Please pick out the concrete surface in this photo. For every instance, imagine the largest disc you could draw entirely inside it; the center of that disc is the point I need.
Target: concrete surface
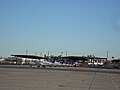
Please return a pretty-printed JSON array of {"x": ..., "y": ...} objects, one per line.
[{"x": 43, "y": 79}]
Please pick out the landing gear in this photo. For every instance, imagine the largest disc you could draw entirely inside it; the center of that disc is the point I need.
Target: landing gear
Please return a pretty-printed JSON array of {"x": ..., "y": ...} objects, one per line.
[
  {"x": 43, "y": 66},
  {"x": 30, "y": 65},
  {"x": 38, "y": 66}
]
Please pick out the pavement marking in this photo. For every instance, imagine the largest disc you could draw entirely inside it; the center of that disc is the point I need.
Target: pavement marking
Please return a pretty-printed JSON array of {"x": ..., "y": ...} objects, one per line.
[
  {"x": 113, "y": 82},
  {"x": 92, "y": 80}
]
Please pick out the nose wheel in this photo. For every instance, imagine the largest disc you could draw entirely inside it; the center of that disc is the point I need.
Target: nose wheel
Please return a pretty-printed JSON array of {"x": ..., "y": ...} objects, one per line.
[
  {"x": 38, "y": 66},
  {"x": 43, "y": 66}
]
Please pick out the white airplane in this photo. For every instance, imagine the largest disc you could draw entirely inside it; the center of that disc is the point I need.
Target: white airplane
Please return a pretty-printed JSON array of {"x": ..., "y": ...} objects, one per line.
[
  {"x": 56, "y": 64},
  {"x": 44, "y": 63},
  {"x": 39, "y": 61}
]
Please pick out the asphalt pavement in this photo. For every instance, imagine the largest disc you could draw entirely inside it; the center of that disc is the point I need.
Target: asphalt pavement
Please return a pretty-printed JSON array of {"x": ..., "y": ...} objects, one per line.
[{"x": 69, "y": 78}]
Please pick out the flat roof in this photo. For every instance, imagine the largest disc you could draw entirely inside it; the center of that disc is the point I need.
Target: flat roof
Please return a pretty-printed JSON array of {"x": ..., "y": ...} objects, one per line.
[
  {"x": 81, "y": 58},
  {"x": 30, "y": 56},
  {"x": 76, "y": 58}
]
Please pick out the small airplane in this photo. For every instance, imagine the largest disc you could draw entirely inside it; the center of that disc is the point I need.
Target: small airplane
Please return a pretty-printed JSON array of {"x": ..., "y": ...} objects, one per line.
[
  {"x": 39, "y": 61},
  {"x": 56, "y": 64}
]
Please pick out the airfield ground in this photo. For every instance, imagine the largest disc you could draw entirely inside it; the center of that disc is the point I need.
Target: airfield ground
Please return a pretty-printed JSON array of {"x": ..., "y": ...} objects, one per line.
[{"x": 58, "y": 79}]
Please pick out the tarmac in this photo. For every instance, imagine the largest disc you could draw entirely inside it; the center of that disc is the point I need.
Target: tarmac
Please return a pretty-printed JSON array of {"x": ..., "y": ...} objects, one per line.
[{"x": 70, "y": 78}]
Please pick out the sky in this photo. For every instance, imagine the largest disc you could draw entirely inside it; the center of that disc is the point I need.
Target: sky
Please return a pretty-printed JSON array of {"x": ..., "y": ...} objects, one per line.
[{"x": 80, "y": 27}]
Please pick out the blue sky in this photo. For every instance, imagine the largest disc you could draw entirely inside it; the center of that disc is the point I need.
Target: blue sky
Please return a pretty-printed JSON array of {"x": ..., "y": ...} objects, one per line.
[{"x": 80, "y": 27}]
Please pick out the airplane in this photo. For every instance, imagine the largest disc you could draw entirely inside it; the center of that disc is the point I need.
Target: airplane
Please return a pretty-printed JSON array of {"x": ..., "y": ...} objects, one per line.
[
  {"x": 56, "y": 64},
  {"x": 39, "y": 61}
]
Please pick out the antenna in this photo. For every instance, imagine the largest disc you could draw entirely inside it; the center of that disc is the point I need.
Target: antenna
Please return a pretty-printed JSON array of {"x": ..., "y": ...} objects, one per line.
[
  {"x": 107, "y": 55},
  {"x": 48, "y": 53},
  {"x": 26, "y": 52},
  {"x": 66, "y": 53}
]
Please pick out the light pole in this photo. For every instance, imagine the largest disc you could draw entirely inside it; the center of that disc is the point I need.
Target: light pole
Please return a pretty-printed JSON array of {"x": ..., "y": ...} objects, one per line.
[
  {"x": 26, "y": 58},
  {"x": 61, "y": 56},
  {"x": 41, "y": 54},
  {"x": 107, "y": 55},
  {"x": 35, "y": 53},
  {"x": 48, "y": 53},
  {"x": 26, "y": 52},
  {"x": 66, "y": 53}
]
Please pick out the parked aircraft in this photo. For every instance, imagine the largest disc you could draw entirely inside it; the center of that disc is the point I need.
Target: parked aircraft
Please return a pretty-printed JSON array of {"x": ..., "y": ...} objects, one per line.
[
  {"x": 56, "y": 64},
  {"x": 39, "y": 61}
]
